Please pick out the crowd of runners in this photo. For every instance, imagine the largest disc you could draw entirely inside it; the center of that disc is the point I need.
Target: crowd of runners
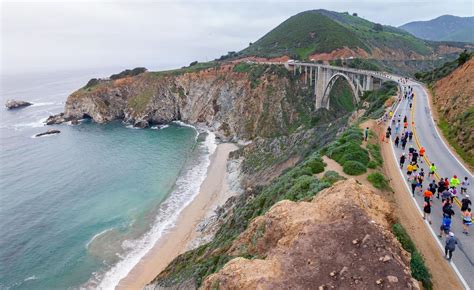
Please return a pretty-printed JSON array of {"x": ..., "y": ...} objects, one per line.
[{"x": 434, "y": 188}]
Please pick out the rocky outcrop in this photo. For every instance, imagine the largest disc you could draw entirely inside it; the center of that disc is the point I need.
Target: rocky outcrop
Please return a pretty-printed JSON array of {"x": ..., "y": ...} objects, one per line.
[
  {"x": 339, "y": 240},
  {"x": 49, "y": 132},
  {"x": 16, "y": 104},
  {"x": 454, "y": 99},
  {"x": 240, "y": 100}
]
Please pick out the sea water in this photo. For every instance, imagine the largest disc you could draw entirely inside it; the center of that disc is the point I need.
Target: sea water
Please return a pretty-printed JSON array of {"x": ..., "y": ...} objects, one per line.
[{"x": 80, "y": 208}]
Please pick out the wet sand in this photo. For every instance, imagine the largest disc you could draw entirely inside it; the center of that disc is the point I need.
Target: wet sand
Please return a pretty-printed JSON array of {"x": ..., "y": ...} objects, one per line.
[{"x": 214, "y": 191}]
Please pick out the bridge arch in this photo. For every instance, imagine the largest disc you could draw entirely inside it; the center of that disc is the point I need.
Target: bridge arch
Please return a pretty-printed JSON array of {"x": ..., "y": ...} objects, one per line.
[{"x": 356, "y": 88}]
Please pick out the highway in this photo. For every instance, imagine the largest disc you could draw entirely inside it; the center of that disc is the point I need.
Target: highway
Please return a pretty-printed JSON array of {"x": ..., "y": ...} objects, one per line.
[{"x": 437, "y": 152}]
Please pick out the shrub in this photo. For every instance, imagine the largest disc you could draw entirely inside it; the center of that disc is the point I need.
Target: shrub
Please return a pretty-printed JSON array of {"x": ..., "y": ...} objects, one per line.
[
  {"x": 193, "y": 63},
  {"x": 374, "y": 150},
  {"x": 316, "y": 165},
  {"x": 354, "y": 168},
  {"x": 128, "y": 73},
  {"x": 378, "y": 180},
  {"x": 378, "y": 27},
  {"x": 92, "y": 82},
  {"x": 332, "y": 177},
  {"x": 418, "y": 268},
  {"x": 359, "y": 155},
  {"x": 372, "y": 164}
]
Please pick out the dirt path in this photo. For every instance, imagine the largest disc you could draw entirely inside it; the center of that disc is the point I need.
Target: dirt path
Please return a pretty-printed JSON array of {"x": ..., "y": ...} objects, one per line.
[{"x": 443, "y": 276}]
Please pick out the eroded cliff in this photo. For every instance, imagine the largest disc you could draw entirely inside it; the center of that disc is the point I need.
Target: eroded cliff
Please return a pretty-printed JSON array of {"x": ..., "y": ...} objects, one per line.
[{"x": 237, "y": 101}]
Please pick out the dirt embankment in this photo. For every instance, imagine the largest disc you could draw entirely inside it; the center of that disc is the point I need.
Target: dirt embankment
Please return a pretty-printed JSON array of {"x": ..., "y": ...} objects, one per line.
[
  {"x": 339, "y": 239},
  {"x": 454, "y": 100}
]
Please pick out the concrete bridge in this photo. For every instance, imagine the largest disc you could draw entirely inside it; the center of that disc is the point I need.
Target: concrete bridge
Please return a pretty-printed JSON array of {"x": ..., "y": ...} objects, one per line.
[{"x": 323, "y": 77}]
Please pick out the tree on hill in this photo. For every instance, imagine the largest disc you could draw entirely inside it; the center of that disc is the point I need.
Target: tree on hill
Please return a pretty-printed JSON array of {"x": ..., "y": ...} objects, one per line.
[
  {"x": 378, "y": 27},
  {"x": 464, "y": 57}
]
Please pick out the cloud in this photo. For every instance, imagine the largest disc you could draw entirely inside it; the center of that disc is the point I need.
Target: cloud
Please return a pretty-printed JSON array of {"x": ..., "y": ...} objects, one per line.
[{"x": 164, "y": 34}]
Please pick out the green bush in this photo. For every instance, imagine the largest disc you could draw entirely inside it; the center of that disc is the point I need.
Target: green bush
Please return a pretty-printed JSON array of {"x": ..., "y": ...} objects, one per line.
[
  {"x": 332, "y": 177},
  {"x": 378, "y": 180},
  {"x": 359, "y": 155},
  {"x": 128, "y": 73},
  {"x": 419, "y": 271},
  {"x": 316, "y": 164},
  {"x": 354, "y": 168},
  {"x": 418, "y": 268},
  {"x": 372, "y": 164},
  {"x": 374, "y": 150}
]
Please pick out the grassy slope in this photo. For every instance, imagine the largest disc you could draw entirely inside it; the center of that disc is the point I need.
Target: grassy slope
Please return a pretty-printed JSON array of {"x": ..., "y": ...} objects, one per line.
[{"x": 324, "y": 31}]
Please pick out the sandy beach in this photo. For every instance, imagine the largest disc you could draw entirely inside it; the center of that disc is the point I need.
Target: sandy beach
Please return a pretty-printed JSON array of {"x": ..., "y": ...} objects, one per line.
[{"x": 214, "y": 191}]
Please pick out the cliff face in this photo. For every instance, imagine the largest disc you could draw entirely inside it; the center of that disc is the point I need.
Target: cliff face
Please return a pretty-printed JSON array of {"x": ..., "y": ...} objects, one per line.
[
  {"x": 240, "y": 101},
  {"x": 454, "y": 99},
  {"x": 340, "y": 239}
]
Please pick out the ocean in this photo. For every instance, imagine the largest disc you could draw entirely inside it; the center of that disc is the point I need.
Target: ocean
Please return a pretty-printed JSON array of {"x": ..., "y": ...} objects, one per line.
[{"x": 80, "y": 208}]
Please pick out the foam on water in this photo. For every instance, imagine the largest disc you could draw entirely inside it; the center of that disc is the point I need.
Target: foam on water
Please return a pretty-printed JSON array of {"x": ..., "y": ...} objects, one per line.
[
  {"x": 186, "y": 188},
  {"x": 36, "y": 124}
]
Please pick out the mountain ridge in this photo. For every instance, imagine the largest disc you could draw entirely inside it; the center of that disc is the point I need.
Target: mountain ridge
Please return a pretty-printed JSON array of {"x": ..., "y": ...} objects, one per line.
[{"x": 443, "y": 28}]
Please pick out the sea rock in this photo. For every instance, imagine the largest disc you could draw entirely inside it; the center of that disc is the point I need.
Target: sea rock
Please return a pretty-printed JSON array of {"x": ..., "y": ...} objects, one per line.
[
  {"x": 49, "y": 132},
  {"x": 141, "y": 124},
  {"x": 16, "y": 104},
  {"x": 56, "y": 119},
  {"x": 75, "y": 122}
]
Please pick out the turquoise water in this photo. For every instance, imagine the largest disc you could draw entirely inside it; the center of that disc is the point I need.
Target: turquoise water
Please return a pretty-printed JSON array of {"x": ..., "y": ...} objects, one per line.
[{"x": 81, "y": 207}]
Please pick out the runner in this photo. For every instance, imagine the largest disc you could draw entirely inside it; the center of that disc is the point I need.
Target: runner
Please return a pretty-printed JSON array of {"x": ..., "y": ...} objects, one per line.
[
  {"x": 422, "y": 153},
  {"x": 454, "y": 182},
  {"x": 448, "y": 209},
  {"x": 464, "y": 184},
  {"x": 427, "y": 194},
  {"x": 432, "y": 187},
  {"x": 441, "y": 187},
  {"x": 432, "y": 170},
  {"x": 465, "y": 203},
  {"x": 402, "y": 160},
  {"x": 466, "y": 221},
  {"x": 414, "y": 157},
  {"x": 410, "y": 136},
  {"x": 445, "y": 195},
  {"x": 414, "y": 183},
  {"x": 450, "y": 246},
  {"x": 445, "y": 226},
  {"x": 453, "y": 192},
  {"x": 427, "y": 211},
  {"x": 404, "y": 143},
  {"x": 409, "y": 169},
  {"x": 397, "y": 140}
]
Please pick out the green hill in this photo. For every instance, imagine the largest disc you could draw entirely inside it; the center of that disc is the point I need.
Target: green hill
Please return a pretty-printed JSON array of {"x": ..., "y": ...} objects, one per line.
[
  {"x": 320, "y": 31},
  {"x": 443, "y": 28}
]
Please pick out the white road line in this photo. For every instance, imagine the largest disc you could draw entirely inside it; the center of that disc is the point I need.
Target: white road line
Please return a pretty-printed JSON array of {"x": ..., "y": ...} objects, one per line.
[
  {"x": 437, "y": 132},
  {"x": 465, "y": 285}
]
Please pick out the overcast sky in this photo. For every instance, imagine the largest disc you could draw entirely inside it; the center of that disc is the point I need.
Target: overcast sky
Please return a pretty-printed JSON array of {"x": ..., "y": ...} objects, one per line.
[{"x": 56, "y": 35}]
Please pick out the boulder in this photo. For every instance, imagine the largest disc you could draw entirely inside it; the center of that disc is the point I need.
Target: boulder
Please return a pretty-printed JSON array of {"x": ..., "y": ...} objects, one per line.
[
  {"x": 16, "y": 104},
  {"x": 56, "y": 119},
  {"x": 141, "y": 124},
  {"x": 49, "y": 132}
]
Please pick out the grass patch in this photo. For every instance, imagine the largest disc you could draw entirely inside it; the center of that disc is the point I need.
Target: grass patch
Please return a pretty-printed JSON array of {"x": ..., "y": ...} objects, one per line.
[
  {"x": 376, "y": 156},
  {"x": 451, "y": 132},
  {"x": 378, "y": 180},
  {"x": 418, "y": 268}
]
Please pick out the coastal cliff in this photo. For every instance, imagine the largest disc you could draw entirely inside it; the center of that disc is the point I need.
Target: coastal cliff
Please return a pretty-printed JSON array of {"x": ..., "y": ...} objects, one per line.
[{"x": 236, "y": 101}]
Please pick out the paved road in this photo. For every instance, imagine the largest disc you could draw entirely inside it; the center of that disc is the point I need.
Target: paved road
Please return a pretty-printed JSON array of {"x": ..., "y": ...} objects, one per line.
[{"x": 438, "y": 153}]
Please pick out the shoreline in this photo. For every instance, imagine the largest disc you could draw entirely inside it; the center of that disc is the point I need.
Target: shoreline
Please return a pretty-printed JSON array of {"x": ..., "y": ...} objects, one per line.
[{"x": 213, "y": 191}]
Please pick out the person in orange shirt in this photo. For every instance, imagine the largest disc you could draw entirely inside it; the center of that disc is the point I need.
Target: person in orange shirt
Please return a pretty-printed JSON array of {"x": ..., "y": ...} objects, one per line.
[
  {"x": 427, "y": 194},
  {"x": 422, "y": 153}
]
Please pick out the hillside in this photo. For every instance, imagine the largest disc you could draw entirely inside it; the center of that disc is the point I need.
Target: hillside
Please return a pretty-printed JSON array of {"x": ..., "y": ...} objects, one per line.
[
  {"x": 443, "y": 28},
  {"x": 454, "y": 99},
  {"x": 324, "y": 35}
]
